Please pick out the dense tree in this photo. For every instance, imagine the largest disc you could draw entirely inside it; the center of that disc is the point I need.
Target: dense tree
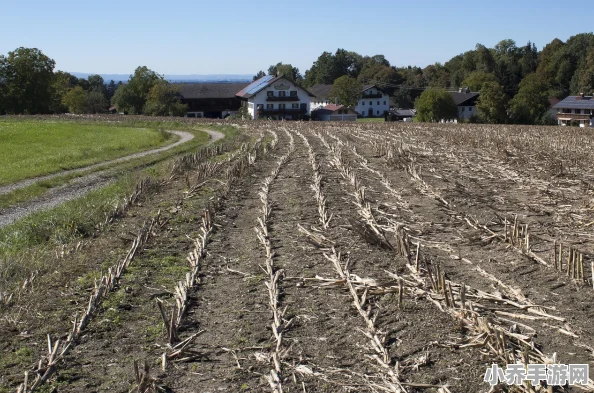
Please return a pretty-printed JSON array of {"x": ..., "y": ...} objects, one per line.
[
  {"x": 62, "y": 83},
  {"x": 286, "y": 70},
  {"x": 329, "y": 67},
  {"x": 96, "y": 102},
  {"x": 27, "y": 77},
  {"x": 132, "y": 97},
  {"x": 404, "y": 98},
  {"x": 531, "y": 104},
  {"x": 76, "y": 100},
  {"x": 346, "y": 90},
  {"x": 492, "y": 103},
  {"x": 110, "y": 89},
  {"x": 259, "y": 75},
  {"x": 477, "y": 79},
  {"x": 435, "y": 105},
  {"x": 164, "y": 100}
]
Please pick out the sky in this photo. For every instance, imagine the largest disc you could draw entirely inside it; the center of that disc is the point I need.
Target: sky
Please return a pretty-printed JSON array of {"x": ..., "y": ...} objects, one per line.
[{"x": 242, "y": 37}]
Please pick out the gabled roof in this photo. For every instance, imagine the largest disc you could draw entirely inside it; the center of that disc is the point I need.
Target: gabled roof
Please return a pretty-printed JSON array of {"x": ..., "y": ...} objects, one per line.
[
  {"x": 403, "y": 112},
  {"x": 322, "y": 92},
  {"x": 209, "y": 90},
  {"x": 257, "y": 86},
  {"x": 464, "y": 99},
  {"x": 576, "y": 102}
]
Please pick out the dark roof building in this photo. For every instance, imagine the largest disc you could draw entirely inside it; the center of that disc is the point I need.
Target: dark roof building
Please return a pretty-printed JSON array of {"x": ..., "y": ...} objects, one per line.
[
  {"x": 578, "y": 110},
  {"x": 212, "y": 100},
  {"x": 466, "y": 102}
]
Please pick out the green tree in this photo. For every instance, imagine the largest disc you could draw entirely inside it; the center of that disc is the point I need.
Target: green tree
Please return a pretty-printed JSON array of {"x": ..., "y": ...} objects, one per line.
[
  {"x": 62, "y": 83},
  {"x": 491, "y": 103},
  {"x": 286, "y": 70},
  {"x": 164, "y": 100},
  {"x": 382, "y": 75},
  {"x": 434, "y": 105},
  {"x": 132, "y": 97},
  {"x": 96, "y": 102},
  {"x": 76, "y": 100},
  {"x": 531, "y": 104},
  {"x": 477, "y": 79},
  {"x": 27, "y": 77},
  {"x": 346, "y": 90},
  {"x": 259, "y": 75}
]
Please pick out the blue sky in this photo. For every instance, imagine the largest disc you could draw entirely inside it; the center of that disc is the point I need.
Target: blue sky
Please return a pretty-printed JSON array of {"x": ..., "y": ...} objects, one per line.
[{"x": 242, "y": 37}]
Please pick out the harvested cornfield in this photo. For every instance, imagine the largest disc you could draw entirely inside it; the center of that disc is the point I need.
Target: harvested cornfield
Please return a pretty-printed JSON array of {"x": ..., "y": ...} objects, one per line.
[{"x": 327, "y": 257}]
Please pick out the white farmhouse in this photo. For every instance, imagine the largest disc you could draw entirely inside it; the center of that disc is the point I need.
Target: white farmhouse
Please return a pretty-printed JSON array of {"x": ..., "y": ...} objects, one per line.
[
  {"x": 373, "y": 102},
  {"x": 466, "y": 102},
  {"x": 576, "y": 110},
  {"x": 275, "y": 97}
]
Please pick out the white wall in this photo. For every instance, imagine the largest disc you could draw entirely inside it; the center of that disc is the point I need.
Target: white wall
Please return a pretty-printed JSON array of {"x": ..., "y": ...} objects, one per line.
[
  {"x": 364, "y": 104},
  {"x": 260, "y": 99},
  {"x": 318, "y": 103}
]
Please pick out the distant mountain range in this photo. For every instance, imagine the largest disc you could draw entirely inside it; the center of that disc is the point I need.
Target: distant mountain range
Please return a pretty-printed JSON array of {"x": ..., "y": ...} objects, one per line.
[{"x": 211, "y": 78}]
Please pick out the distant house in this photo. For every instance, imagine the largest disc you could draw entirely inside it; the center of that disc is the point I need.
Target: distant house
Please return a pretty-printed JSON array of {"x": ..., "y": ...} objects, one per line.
[
  {"x": 466, "y": 102},
  {"x": 276, "y": 98},
  {"x": 576, "y": 110},
  {"x": 401, "y": 115},
  {"x": 333, "y": 112},
  {"x": 373, "y": 102},
  {"x": 211, "y": 100}
]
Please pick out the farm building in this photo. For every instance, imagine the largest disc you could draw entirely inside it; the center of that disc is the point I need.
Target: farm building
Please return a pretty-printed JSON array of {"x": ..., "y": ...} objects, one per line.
[
  {"x": 576, "y": 110},
  {"x": 400, "y": 114},
  {"x": 373, "y": 101},
  {"x": 466, "y": 102},
  {"x": 333, "y": 112},
  {"x": 211, "y": 100},
  {"x": 275, "y": 97}
]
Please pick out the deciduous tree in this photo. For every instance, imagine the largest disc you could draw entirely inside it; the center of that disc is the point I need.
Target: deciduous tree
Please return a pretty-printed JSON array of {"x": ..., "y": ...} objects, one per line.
[
  {"x": 164, "y": 100},
  {"x": 435, "y": 105},
  {"x": 76, "y": 100},
  {"x": 346, "y": 90},
  {"x": 26, "y": 76},
  {"x": 531, "y": 104},
  {"x": 492, "y": 103}
]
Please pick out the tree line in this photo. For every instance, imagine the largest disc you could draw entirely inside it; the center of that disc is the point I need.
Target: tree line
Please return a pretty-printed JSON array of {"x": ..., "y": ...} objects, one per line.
[
  {"x": 29, "y": 85},
  {"x": 515, "y": 82}
]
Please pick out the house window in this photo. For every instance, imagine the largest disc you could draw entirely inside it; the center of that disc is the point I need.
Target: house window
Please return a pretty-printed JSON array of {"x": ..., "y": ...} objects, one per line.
[
  {"x": 370, "y": 103},
  {"x": 577, "y": 111},
  {"x": 282, "y": 93},
  {"x": 281, "y": 106},
  {"x": 363, "y": 102},
  {"x": 378, "y": 103},
  {"x": 270, "y": 93},
  {"x": 378, "y": 112},
  {"x": 384, "y": 102},
  {"x": 295, "y": 106},
  {"x": 269, "y": 106},
  {"x": 293, "y": 93}
]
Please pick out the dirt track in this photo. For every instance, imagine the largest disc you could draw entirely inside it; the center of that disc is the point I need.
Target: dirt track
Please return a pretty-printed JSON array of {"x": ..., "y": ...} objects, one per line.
[
  {"x": 81, "y": 185},
  {"x": 311, "y": 300}
]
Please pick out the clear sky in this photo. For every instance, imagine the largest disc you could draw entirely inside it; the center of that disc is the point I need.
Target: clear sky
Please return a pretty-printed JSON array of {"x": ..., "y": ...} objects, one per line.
[{"x": 242, "y": 37}]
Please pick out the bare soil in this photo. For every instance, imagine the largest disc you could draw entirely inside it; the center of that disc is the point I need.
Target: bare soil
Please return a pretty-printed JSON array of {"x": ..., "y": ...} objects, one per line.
[{"x": 443, "y": 188}]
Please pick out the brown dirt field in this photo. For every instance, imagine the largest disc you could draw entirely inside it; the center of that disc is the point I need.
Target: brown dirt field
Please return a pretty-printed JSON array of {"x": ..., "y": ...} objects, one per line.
[{"x": 339, "y": 325}]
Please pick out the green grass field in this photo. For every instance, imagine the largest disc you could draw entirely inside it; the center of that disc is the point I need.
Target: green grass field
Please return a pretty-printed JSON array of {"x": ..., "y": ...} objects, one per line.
[{"x": 33, "y": 148}]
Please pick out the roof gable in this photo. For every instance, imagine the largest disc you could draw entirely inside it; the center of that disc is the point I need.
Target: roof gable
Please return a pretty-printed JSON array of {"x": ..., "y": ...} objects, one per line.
[
  {"x": 464, "y": 99},
  {"x": 266, "y": 81},
  {"x": 209, "y": 90},
  {"x": 576, "y": 102}
]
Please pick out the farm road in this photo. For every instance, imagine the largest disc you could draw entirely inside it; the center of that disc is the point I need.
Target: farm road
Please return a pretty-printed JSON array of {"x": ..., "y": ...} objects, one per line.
[{"x": 82, "y": 185}]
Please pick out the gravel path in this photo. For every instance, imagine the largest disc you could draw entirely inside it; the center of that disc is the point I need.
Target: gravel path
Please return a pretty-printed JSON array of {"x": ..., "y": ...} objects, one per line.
[{"x": 81, "y": 185}]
